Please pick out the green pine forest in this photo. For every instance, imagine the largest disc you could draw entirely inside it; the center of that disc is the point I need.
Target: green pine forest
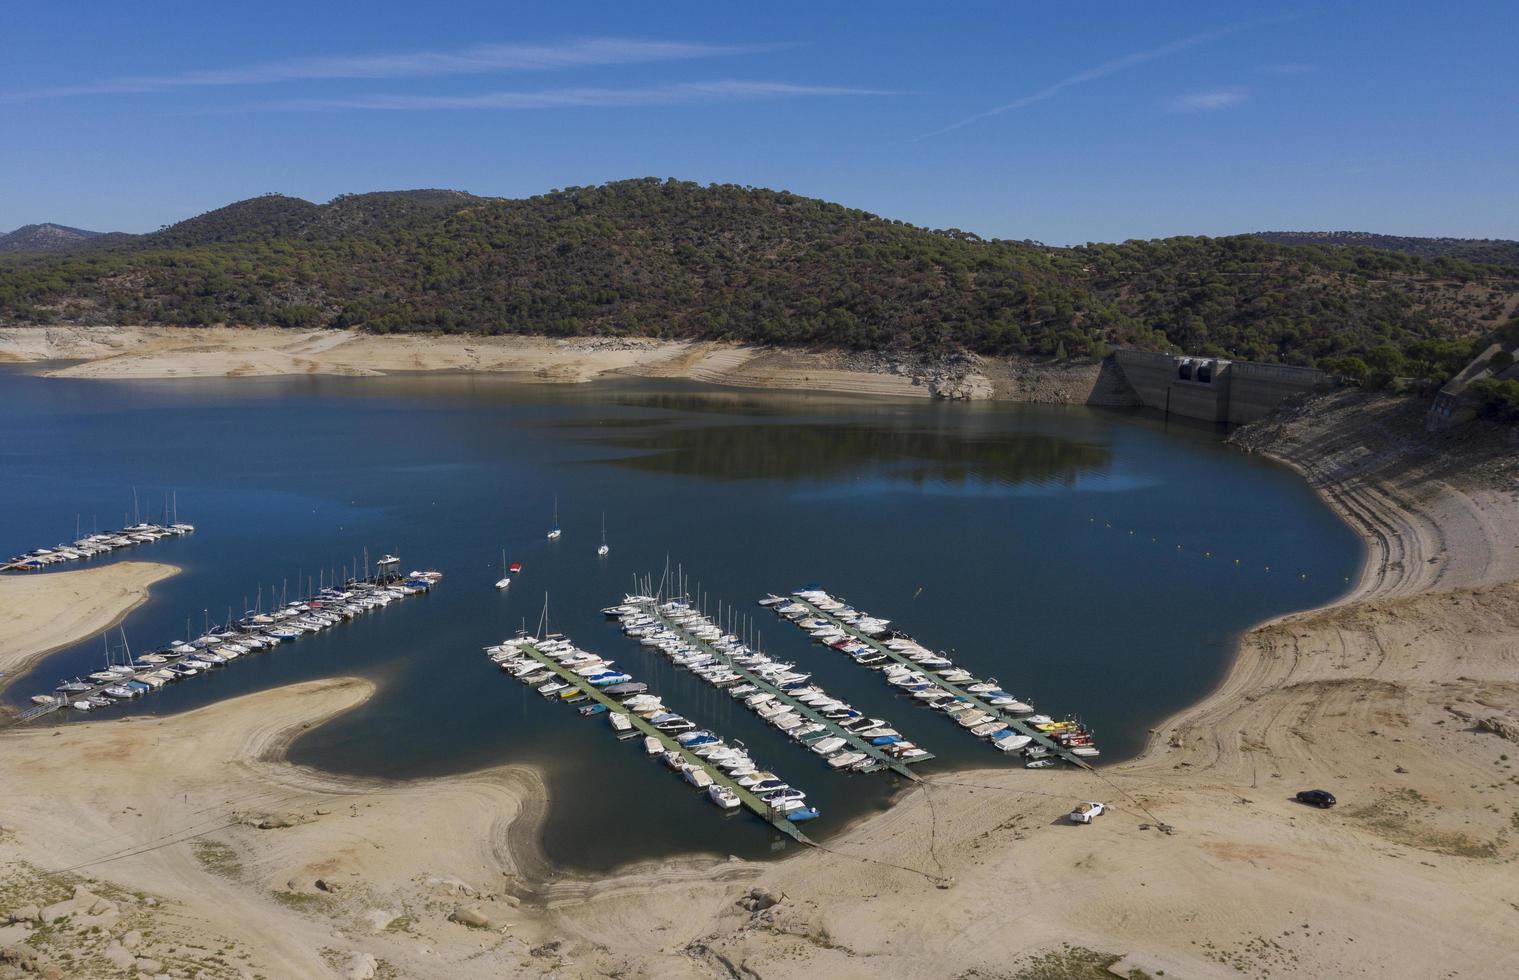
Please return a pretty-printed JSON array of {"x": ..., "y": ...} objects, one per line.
[{"x": 673, "y": 259}]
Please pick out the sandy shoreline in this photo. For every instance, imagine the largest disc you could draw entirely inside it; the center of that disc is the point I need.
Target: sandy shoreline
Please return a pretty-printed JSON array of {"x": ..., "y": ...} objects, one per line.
[
  {"x": 41, "y": 612},
  {"x": 973, "y": 875},
  {"x": 204, "y": 352}
]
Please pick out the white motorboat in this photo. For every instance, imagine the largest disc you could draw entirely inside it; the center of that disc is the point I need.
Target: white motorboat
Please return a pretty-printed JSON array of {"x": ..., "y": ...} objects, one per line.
[
  {"x": 723, "y": 797},
  {"x": 652, "y": 745},
  {"x": 620, "y": 722},
  {"x": 1012, "y": 742},
  {"x": 829, "y": 745}
]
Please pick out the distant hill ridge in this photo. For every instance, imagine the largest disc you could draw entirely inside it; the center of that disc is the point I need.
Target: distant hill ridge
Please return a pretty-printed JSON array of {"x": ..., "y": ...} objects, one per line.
[
  {"x": 275, "y": 216},
  {"x": 45, "y": 237},
  {"x": 675, "y": 259},
  {"x": 1492, "y": 251}
]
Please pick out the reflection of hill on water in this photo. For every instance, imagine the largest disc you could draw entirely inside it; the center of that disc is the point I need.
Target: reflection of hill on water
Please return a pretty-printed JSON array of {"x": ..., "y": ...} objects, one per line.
[
  {"x": 719, "y": 402},
  {"x": 760, "y": 452}
]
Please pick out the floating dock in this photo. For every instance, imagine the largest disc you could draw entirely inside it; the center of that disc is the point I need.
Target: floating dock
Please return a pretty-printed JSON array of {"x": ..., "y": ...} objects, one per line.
[
  {"x": 95, "y": 544},
  {"x": 1009, "y": 719},
  {"x": 304, "y": 615},
  {"x": 754, "y": 804},
  {"x": 656, "y": 611}
]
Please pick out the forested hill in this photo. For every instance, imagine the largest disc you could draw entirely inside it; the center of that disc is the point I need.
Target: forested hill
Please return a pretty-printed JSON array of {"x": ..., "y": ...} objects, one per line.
[
  {"x": 1490, "y": 251},
  {"x": 672, "y": 259}
]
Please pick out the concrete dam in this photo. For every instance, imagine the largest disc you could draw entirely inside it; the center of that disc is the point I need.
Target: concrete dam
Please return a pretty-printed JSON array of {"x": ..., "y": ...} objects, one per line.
[{"x": 1213, "y": 389}]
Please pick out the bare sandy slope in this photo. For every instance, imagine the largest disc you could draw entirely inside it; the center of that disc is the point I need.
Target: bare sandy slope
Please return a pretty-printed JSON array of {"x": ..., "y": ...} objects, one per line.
[
  {"x": 43, "y": 611},
  {"x": 231, "y": 847},
  {"x": 159, "y": 352},
  {"x": 1412, "y": 875}
]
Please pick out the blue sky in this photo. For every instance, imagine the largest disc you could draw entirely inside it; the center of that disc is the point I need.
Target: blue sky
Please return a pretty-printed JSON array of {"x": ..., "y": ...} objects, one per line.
[{"x": 1010, "y": 119}]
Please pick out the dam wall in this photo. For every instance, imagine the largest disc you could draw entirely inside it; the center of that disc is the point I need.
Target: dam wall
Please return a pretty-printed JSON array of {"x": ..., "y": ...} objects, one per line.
[{"x": 1213, "y": 389}]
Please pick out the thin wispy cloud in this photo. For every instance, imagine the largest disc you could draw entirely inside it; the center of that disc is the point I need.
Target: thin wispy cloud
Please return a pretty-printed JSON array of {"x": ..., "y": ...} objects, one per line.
[
  {"x": 476, "y": 60},
  {"x": 1103, "y": 70},
  {"x": 679, "y": 93},
  {"x": 1209, "y": 101}
]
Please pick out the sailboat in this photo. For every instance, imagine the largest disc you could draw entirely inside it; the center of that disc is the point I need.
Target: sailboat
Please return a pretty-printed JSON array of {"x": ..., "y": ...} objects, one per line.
[
  {"x": 554, "y": 534},
  {"x": 602, "y": 551},
  {"x": 505, "y": 579}
]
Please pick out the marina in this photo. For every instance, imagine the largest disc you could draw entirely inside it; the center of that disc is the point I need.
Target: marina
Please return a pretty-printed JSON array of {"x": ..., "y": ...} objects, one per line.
[
  {"x": 830, "y": 728},
  {"x": 556, "y": 668},
  {"x": 979, "y": 706},
  {"x": 631, "y": 448},
  {"x": 1149, "y": 577},
  {"x": 254, "y": 632}
]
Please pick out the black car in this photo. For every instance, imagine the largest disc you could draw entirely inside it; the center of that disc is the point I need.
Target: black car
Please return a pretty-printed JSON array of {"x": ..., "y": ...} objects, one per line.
[{"x": 1321, "y": 798}]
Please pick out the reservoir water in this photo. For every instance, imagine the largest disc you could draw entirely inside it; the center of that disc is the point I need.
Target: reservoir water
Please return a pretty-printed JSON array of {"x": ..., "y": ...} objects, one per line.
[{"x": 1097, "y": 563}]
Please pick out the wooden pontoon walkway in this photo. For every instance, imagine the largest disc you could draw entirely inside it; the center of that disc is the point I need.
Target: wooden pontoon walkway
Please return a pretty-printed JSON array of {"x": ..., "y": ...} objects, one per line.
[{"x": 758, "y": 806}]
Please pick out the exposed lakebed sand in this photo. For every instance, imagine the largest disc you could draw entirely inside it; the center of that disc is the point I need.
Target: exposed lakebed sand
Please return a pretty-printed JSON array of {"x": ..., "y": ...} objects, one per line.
[
  {"x": 1204, "y": 867},
  {"x": 44, "y": 611},
  {"x": 203, "y": 352}
]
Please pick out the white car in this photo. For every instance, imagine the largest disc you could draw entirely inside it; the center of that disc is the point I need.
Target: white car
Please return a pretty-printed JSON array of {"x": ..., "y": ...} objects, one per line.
[{"x": 1086, "y": 812}]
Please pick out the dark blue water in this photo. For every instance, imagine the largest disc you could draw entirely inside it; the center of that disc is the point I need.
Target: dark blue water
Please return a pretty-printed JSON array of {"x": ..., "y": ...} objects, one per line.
[{"x": 1096, "y": 563}]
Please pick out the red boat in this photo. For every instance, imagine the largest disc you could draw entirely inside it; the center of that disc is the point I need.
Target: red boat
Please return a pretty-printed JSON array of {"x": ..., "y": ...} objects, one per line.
[{"x": 516, "y": 567}]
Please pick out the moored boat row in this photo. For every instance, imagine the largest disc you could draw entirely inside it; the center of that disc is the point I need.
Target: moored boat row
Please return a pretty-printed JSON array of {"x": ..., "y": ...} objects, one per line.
[
  {"x": 725, "y": 773},
  {"x": 980, "y": 706},
  {"x": 93, "y": 545},
  {"x": 126, "y": 676},
  {"x": 776, "y": 691}
]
